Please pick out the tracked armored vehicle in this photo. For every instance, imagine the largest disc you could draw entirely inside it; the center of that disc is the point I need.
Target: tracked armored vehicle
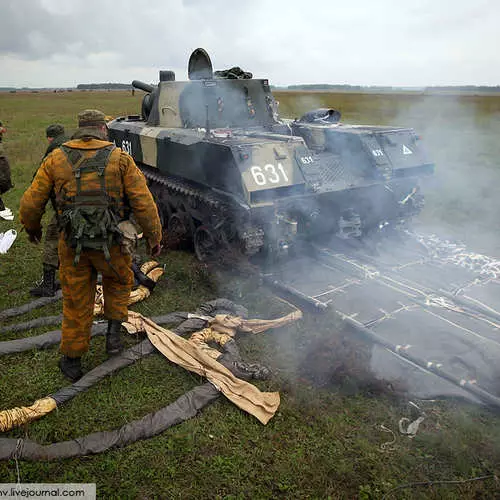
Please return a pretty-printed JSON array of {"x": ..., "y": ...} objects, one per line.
[{"x": 226, "y": 170}]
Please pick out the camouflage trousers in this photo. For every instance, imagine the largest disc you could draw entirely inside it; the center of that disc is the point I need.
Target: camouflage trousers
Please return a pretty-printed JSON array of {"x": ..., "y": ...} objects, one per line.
[
  {"x": 79, "y": 288},
  {"x": 51, "y": 244}
]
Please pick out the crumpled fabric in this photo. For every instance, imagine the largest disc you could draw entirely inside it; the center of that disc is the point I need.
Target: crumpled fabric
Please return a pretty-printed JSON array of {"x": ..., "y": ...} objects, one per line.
[
  {"x": 223, "y": 327},
  {"x": 262, "y": 405},
  {"x": 225, "y": 323}
]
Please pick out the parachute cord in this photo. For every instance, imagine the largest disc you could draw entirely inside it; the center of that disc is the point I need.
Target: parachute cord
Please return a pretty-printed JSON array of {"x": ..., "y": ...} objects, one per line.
[{"x": 17, "y": 453}]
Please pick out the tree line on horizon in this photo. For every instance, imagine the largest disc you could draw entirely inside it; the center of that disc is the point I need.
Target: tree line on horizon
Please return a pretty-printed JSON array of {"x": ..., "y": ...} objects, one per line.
[{"x": 312, "y": 86}]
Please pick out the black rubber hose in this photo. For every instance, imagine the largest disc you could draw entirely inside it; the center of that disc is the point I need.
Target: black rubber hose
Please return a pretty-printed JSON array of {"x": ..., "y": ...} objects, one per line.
[
  {"x": 34, "y": 304},
  {"x": 49, "y": 339},
  {"x": 34, "y": 323},
  {"x": 113, "y": 364},
  {"x": 185, "y": 407}
]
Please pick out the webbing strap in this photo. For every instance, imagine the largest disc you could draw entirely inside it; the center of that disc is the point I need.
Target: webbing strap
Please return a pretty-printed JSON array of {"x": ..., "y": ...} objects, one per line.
[
  {"x": 74, "y": 156},
  {"x": 80, "y": 164}
]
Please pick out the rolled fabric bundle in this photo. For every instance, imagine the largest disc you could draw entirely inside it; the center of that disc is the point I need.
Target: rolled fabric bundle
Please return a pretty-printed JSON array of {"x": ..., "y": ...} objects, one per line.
[
  {"x": 24, "y": 414},
  {"x": 140, "y": 293}
]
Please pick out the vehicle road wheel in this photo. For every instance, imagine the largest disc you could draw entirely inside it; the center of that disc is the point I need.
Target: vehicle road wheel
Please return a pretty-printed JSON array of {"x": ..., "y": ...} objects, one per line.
[
  {"x": 206, "y": 243},
  {"x": 179, "y": 227}
]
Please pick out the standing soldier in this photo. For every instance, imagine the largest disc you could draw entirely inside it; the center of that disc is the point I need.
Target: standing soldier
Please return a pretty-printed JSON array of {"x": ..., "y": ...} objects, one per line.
[
  {"x": 5, "y": 180},
  {"x": 48, "y": 286},
  {"x": 96, "y": 186}
]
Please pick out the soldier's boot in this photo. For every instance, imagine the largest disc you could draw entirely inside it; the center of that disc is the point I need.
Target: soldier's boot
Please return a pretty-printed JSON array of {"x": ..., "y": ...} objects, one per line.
[
  {"x": 48, "y": 287},
  {"x": 71, "y": 368},
  {"x": 114, "y": 343}
]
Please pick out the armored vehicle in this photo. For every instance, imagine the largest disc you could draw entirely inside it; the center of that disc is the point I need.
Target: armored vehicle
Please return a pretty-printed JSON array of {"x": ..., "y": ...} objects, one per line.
[{"x": 225, "y": 169}]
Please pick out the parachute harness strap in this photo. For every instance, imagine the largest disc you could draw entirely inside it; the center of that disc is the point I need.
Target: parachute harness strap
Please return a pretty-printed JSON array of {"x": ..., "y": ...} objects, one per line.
[{"x": 97, "y": 163}]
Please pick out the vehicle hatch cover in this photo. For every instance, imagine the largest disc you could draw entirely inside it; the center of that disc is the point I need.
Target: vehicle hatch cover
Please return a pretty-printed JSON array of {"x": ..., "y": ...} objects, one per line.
[{"x": 200, "y": 65}]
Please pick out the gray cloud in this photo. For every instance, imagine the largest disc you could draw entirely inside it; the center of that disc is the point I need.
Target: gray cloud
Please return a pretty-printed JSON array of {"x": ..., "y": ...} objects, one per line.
[{"x": 55, "y": 42}]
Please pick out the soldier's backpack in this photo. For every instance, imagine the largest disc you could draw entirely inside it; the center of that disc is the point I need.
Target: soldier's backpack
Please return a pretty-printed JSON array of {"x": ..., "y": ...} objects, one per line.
[{"x": 90, "y": 218}]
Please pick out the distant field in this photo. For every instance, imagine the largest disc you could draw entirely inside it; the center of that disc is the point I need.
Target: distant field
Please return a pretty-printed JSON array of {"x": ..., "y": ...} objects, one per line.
[{"x": 325, "y": 442}]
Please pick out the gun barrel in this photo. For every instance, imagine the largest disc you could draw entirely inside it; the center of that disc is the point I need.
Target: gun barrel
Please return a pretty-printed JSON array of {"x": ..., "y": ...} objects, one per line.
[{"x": 143, "y": 86}]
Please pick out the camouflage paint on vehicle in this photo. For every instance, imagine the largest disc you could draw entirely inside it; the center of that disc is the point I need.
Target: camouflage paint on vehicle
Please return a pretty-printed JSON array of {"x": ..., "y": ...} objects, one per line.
[{"x": 222, "y": 138}]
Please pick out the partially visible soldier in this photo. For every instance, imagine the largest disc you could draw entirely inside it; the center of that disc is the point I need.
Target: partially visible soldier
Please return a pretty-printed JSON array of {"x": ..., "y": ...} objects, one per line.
[
  {"x": 48, "y": 286},
  {"x": 5, "y": 179},
  {"x": 56, "y": 136},
  {"x": 96, "y": 184}
]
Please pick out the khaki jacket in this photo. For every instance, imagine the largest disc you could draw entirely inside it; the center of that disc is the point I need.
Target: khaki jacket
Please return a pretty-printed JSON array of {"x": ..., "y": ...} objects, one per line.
[{"x": 124, "y": 181}]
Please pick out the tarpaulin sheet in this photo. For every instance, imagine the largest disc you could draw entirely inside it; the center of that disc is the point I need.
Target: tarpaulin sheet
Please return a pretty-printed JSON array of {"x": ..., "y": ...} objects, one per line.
[{"x": 429, "y": 299}]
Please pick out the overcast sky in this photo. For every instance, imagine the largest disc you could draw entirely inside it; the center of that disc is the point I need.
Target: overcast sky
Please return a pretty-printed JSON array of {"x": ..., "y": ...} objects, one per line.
[{"x": 56, "y": 43}]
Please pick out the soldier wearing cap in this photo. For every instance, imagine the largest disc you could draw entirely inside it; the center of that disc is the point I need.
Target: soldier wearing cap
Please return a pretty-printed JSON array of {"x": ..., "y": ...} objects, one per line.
[
  {"x": 96, "y": 186},
  {"x": 5, "y": 179},
  {"x": 56, "y": 137}
]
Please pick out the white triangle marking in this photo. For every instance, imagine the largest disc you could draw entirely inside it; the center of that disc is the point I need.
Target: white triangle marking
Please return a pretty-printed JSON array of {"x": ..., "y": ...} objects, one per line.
[{"x": 407, "y": 150}]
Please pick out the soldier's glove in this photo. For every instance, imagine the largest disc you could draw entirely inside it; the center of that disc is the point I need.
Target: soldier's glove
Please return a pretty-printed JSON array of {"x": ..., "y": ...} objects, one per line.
[
  {"x": 35, "y": 235},
  {"x": 156, "y": 250}
]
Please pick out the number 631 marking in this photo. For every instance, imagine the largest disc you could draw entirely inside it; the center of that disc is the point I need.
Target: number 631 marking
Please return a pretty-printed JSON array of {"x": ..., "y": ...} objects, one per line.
[
  {"x": 127, "y": 146},
  {"x": 268, "y": 174}
]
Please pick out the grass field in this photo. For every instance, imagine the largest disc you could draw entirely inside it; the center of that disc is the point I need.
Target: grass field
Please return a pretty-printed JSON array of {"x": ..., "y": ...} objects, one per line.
[{"x": 326, "y": 441}]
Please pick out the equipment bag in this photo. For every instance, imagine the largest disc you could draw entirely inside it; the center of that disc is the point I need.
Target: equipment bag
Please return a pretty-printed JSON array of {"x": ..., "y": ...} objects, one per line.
[{"x": 90, "y": 218}]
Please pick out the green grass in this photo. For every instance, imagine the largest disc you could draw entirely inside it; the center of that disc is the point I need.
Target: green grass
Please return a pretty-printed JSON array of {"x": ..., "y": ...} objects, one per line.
[{"x": 325, "y": 441}]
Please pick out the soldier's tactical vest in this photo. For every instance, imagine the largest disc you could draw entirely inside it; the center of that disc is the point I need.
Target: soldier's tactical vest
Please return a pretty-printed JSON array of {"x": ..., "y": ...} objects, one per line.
[{"x": 90, "y": 218}]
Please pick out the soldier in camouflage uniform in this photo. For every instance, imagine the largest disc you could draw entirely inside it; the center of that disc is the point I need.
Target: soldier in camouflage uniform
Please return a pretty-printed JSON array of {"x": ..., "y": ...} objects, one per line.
[
  {"x": 95, "y": 184},
  {"x": 48, "y": 286},
  {"x": 5, "y": 180}
]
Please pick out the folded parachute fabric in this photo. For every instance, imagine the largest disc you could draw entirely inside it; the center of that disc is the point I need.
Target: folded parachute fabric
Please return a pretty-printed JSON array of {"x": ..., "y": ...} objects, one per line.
[
  {"x": 262, "y": 405},
  {"x": 7, "y": 239},
  {"x": 150, "y": 269},
  {"x": 24, "y": 414}
]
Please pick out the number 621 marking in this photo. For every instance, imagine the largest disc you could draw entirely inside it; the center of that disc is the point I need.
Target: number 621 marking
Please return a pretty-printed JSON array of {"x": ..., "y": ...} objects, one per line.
[{"x": 268, "y": 174}]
